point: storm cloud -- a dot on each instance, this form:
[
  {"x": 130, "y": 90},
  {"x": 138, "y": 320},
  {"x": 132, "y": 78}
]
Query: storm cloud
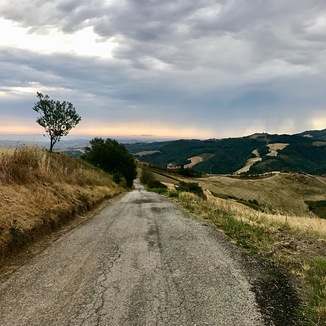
[{"x": 174, "y": 68}]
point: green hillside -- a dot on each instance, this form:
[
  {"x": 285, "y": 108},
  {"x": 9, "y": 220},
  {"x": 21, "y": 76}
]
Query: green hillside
[
  {"x": 314, "y": 134},
  {"x": 305, "y": 152}
]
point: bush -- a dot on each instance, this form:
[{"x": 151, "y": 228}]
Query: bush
[
  {"x": 156, "y": 184},
  {"x": 192, "y": 187},
  {"x": 173, "y": 193},
  {"x": 113, "y": 158},
  {"x": 146, "y": 176}
]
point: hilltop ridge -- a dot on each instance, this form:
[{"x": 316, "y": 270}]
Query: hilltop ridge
[{"x": 303, "y": 152}]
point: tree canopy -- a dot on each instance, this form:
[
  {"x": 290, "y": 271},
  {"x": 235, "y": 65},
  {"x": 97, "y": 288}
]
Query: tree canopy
[
  {"x": 113, "y": 158},
  {"x": 57, "y": 118}
]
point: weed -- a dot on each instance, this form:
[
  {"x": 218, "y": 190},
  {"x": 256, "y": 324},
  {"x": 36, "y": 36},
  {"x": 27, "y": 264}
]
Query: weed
[
  {"x": 173, "y": 193},
  {"x": 160, "y": 191},
  {"x": 315, "y": 275}
]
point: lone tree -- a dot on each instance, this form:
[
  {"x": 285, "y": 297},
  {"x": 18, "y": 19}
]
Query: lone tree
[{"x": 57, "y": 118}]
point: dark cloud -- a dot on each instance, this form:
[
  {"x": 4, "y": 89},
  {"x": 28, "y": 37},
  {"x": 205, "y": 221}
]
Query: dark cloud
[{"x": 203, "y": 63}]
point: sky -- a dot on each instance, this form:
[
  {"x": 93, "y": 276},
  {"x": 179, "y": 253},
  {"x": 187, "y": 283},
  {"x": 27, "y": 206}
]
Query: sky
[{"x": 166, "y": 69}]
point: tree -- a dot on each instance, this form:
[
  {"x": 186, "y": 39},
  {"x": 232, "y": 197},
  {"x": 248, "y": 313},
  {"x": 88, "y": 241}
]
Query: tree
[
  {"x": 57, "y": 118},
  {"x": 113, "y": 158}
]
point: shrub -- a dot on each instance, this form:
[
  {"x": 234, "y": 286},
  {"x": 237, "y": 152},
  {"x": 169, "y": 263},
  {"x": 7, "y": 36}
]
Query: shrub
[
  {"x": 173, "y": 193},
  {"x": 156, "y": 184},
  {"x": 192, "y": 187},
  {"x": 111, "y": 157},
  {"x": 146, "y": 176}
]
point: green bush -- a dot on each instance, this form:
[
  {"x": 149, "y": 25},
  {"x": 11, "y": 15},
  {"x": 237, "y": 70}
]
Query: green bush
[
  {"x": 146, "y": 176},
  {"x": 192, "y": 187},
  {"x": 113, "y": 158},
  {"x": 173, "y": 193},
  {"x": 156, "y": 184}
]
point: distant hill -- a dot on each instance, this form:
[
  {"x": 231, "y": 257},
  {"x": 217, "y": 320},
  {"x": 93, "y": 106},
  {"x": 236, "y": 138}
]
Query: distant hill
[
  {"x": 61, "y": 145},
  {"x": 304, "y": 152},
  {"x": 314, "y": 134}
]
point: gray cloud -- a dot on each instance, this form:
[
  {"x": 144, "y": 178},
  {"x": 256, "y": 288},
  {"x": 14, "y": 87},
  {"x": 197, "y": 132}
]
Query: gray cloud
[{"x": 218, "y": 64}]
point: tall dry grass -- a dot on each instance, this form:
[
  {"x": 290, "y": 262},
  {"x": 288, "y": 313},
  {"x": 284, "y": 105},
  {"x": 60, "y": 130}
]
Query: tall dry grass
[
  {"x": 40, "y": 191},
  {"x": 28, "y": 165},
  {"x": 306, "y": 224}
]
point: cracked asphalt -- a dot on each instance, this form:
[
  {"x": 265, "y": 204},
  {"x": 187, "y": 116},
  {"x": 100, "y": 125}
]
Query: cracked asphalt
[{"x": 140, "y": 261}]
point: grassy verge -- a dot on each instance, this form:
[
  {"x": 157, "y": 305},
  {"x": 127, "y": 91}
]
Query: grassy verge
[
  {"x": 298, "y": 256},
  {"x": 40, "y": 191}
]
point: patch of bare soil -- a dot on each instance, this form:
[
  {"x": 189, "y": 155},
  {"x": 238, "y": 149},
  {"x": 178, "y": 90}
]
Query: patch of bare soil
[
  {"x": 194, "y": 160},
  {"x": 250, "y": 162},
  {"x": 274, "y": 148}
]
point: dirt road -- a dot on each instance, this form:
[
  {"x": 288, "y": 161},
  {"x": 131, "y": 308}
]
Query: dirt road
[{"x": 139, "y": 262}]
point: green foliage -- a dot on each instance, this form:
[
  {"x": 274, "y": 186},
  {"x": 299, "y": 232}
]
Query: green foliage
[
  {"x": 161, "y": 191},
  {"x": 225, "y": 156},
  {"x": 192, "y": 187},
  {"x": 146, "y": 176},
  {"x": 173, "y": 193},
  {"x": 300, "y": 156},
  {"x": 57, "y": 118},
  {"x": 113, "y": 158},
  {"x": 317, "y": 207},
  {"x": 156, "y": 184},
  {"x": 190, "y": 173}
]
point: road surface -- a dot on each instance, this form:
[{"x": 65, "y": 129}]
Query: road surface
[{"x": 140, "y": 261}]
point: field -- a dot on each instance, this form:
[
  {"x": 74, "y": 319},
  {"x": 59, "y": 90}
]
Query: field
[{"x": 284, "y": 193}]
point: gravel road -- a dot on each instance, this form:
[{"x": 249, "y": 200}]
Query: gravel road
[{"x": 140, "y": 261}]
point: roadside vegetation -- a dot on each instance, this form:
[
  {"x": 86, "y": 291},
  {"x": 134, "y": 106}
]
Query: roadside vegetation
[
  {"x": 40, "y": 191},
  {"x": 293, "y": 246}
]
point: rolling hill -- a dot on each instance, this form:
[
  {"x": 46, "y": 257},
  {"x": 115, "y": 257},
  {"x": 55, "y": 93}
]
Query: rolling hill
[{"x": 304, "y": 152}]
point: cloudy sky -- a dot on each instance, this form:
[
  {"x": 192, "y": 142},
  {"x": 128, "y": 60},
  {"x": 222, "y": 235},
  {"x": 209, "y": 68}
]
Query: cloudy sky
[{"x": 153, "y": 68}]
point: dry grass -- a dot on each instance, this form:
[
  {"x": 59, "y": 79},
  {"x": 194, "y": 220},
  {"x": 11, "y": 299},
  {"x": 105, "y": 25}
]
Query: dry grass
[
  {"x": 309, "y": 225},
  {"x": 250, "y": 162},
  {"x": 194, "y": 160},
  {"x": 7, "y": 151},
  {"x": 39, "y": 191},
  {"x": 144, "y": 153},
  {"x": 282, "y": 193},
  {"x": 274, "y": 148}
]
